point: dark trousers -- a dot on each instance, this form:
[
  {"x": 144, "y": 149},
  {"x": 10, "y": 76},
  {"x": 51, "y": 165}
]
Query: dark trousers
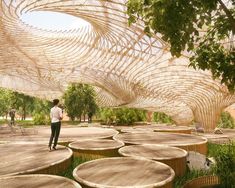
[{"x": 55, "y": 132}]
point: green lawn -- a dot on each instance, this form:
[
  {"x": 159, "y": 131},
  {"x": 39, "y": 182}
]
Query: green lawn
[{"x": 179, "y": 181}]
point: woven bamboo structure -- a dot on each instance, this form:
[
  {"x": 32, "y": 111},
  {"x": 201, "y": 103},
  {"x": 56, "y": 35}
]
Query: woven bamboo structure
[
  {"x": 205, "y": 181},
  {"x": 93, "y": 149},
  {"x": 33, "y": 158},
  {"x": 126, "y": 67},
  {"x": 118, "y": 172},
  {"x": 171, "y": 156},
  {"x": 37, "y": 180}
]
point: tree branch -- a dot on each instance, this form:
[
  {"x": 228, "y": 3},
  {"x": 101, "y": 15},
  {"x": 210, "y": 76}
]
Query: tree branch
[{"x": 229, "y": 15}]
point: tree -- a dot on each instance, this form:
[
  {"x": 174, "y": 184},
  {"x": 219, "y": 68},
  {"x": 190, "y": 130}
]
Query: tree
[
  {"x": 41, "y": 112},
  {"x": 90, "y": 106},
  {"x": 23, "y": 103},
  {"x": 5, "y": 101},
  {"x": 79, "y": 99},
  {"x": 180, "y": 23}
]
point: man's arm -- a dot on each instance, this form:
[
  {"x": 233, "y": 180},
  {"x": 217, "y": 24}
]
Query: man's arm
[
  {"x": 61, "y": 114},
  {"x": 50, "y": 114}
]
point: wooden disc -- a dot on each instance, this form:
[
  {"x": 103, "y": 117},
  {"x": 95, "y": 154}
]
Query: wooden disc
[
  {"x": 184, "y": 141},
  {"x": 67, "y": 134},
  {"x": 93, "y": 149},
  {"x": 98, "y": 144},
  {"x": 25, "y": 158},
  {"x": 123, "y": 172},
  {"x": 174, "y": 129},
  {"x": 152, "y": 151},
  {"x": 136, "y": 130},
  {"x": 37, "y": 181},
  {"x": 172, "y": 156}
]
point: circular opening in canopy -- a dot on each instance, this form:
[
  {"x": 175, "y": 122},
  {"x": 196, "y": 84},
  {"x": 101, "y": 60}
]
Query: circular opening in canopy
[{"x": 53, "y": 20}]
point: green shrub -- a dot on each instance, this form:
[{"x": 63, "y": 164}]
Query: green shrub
[
  {"x": 125, "y": 116},
  {"x": 40, "y": 119},
  {"x": 225, "y": 165},
  {"x": 226, "y": 121},
  {"x": 161, "y": 117},
  {"x": 121, "y": 116},
  {"x": 106, "y": 115}
]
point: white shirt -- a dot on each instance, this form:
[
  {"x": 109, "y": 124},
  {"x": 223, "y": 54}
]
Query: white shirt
[{"x": 56, "y": 114}]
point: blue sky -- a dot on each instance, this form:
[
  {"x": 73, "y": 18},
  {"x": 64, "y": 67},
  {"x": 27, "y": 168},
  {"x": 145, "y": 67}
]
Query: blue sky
[{"x": 53, "y": 20}]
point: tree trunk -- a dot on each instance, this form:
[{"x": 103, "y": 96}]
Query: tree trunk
[
  {"x": 24, "y": 113},
  {"x": 84, "y": 117}
]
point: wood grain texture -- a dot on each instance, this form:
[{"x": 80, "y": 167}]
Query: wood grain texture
[
  {"x": 184, "y": 141},
  {"x": 123, "y": 172},
  {"x": 172, "y": 156},
  {"x": 67, "y": 135},
  {"x": 96, "y": 148},
  {"x": 31, "y": 158},
  {"x": 37, "y": 181}
]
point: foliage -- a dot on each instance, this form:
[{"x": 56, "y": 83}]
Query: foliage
[
  {"x": 226, "y": 121},
  {"x": 121, "y": 116},
  {"x": 161, "y": 117},
  {"x": 79, "y": 99},
  {"x": 189, "y": 175},
  {"x": 3, "y": 121},
  {"x": 68, "y": 173},
  {"x": 40, "y": 119},
  {"x": 42, "y": 106},
  {"x": 5, "y": 101},
  {"x": 225, "y": 167},
  {"x": 180, "y": 23},
  {"x": 41, "y": 112},
  {"x": 24, "y": 104},
  {"x": 107, "y": 115}
]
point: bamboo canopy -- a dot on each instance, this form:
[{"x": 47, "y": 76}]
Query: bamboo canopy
[{"x": 126, "y": 67}]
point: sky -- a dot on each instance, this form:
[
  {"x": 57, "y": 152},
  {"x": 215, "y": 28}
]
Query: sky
[{"x": 53, "y": 20}]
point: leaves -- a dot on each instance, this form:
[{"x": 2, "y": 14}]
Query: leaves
[
  {"x": 79, "y": 99},
  {"x": 180, "y": 21},
  {"x": 226, "y": 121},
  {"x": 121, "y": 116},
  {"x": 161, "y": 117}
]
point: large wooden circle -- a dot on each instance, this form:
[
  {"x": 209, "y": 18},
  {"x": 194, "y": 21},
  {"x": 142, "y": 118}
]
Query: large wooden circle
[
  {"x": 174, "y": 129},
  {"x": 67, "y": 134},
  {"x": 172, "y": 156},
  {"x": 184, "y": 141},
  {"x": 30, "y": 158},
  {"x": 37, "y": 181},
  {"x": 124, "y": 172},
  {"x": 82, "y": 133},
  {"x": 96, "y": 148},
  {"x": 136, "y": 130}
]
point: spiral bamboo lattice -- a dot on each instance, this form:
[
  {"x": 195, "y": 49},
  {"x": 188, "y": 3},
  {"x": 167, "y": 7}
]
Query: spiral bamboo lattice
[{"x": 126, "y": 67}]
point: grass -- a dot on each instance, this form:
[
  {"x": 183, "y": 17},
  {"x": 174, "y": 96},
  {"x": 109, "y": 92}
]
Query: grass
[
  {"x": 213, "y": 150},
  {"x": 75, "y": 162},
  {"x": 189, "y": 175}
]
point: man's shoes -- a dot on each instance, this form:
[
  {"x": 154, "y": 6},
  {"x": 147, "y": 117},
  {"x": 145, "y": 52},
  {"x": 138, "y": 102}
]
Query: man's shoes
[
  {"x": 54, "y": 147},
  {"x": 49, "y": 148}
]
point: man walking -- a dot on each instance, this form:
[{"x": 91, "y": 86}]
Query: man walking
[{"x": 56, "y": 117}]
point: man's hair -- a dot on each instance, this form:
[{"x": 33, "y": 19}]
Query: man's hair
[{"x": 56, "y": 101}]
